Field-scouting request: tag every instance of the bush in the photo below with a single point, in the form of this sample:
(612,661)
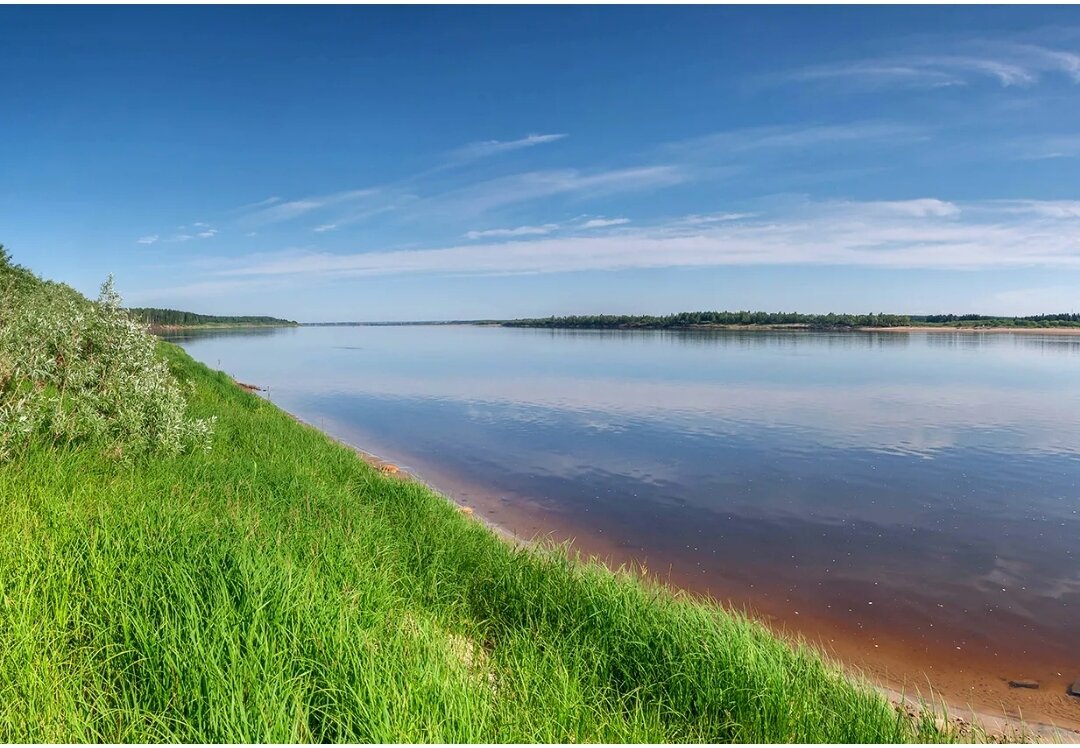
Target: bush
(77,370)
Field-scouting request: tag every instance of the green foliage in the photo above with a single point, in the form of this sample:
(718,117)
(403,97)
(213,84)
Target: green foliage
(696,319)
(72,370)
(173,317)
(276,588)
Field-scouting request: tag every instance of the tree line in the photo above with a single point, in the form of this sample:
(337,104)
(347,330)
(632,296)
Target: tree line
(821,321)
(694,319)
(174,317)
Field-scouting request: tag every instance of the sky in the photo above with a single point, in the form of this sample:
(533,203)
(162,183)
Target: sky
(432,163)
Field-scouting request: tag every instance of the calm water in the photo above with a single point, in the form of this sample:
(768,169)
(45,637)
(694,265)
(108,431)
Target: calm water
(918,488)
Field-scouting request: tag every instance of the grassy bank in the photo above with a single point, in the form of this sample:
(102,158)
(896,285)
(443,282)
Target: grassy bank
(262,583)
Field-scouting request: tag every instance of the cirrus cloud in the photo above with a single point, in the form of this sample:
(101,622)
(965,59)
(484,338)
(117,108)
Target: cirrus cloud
(921,233)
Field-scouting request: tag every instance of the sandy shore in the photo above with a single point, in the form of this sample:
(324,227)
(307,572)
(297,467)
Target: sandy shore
(1018,330)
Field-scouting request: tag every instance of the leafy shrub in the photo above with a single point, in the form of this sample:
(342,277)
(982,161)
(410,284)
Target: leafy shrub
(78,370)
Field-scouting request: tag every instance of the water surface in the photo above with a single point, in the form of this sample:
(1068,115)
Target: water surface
(913,494)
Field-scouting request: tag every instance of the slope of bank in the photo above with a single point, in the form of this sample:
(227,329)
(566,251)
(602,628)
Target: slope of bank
(277,588)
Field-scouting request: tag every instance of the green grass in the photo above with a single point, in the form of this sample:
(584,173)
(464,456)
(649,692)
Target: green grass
(277,588)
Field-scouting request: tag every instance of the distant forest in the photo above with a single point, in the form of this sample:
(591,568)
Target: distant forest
(173,317)
(824,321)
(693,319)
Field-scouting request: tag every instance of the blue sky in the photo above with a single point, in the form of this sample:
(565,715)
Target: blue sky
(354,163)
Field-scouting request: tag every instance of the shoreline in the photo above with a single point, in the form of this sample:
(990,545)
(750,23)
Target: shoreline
(891,673)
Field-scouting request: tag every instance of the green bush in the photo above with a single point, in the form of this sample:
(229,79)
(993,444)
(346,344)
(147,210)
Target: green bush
(78,370)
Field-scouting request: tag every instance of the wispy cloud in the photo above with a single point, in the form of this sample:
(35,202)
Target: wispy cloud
(197,230)
(923,233)
(740,144)
(324,227)
(918,208)
(285,211)
(1006,63)
(518,188)
(486,148)
(579,223)
(600,223)
(880,74)
(696,219)
(256,205)
(547,228)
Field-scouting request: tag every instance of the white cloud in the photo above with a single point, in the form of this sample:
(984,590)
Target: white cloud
(517,188)
(735,146)
(1007,63)
(492,147)
(880,74)
(919,208)
(256,205)
(581,222)
(147,239)
(924,233)
(547,228)
(600,223)
(325,227)
(285,211)
(208,234)
(695,219)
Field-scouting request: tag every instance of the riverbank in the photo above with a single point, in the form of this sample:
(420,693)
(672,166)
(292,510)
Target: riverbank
(276,588)
(971,689)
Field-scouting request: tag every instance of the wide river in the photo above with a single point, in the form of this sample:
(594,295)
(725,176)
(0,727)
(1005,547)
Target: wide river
(911,501)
